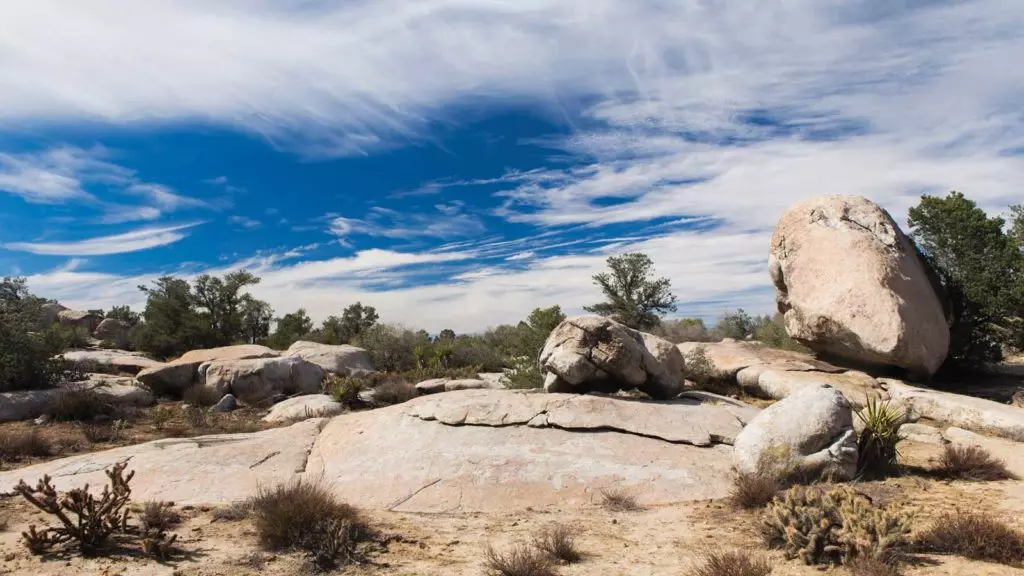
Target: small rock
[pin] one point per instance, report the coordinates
(41, 420)
(226, 404)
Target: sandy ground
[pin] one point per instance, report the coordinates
(664, 540)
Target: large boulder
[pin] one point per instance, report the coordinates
(597, 354)
(79, 319)
(958, 410)
(303, 408)
(175, 377)
(116, 391)
(435, 385)
(112, 330)
(343, 360)
(809, 433)
(112, 360)
(255, 379)
(851, 284)
(51, 311)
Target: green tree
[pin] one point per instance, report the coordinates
(1017, 225)
(982, 270)
(256, 317)
(26, 351)
(171, 326)
(220, 300)
(290, 329)
(737, 325)
(342, 330)
(685, 330)
(124, 314)
(631, 292)
(446, 335)
(545, 319)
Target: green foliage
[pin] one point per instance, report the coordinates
(982, 270)
(631, 293)
(524, 374)
(256, 316)
(124, 314)
(70, 337)
(27, 349)
(1017, 225)
(877, 443)
(699, 367)
(737, 325)
(290, 329)
(832, 526)
(685, 330)
(524, 339)
(172, 326)
(474, 351)
(446, 335)
(392, 347)
(219, 302)
(76, 403)
(354, 319)
(771, 332)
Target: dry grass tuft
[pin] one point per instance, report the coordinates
(559, 543)
(157, 515)
(754, 489)
(393, 390)
(18, 445)
(732, 563)
(306, 516)
(233, 512)
(972, 463)
(870, 566)
(78, 404)
(974, 535)
(521, 560)
(618, 500)
(201, 396)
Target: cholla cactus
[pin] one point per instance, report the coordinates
(831, 526)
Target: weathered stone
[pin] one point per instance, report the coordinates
(179, 375)
(436, 385)
(768, 381)
(115, 360)
(112, 330)
(29, 404)
(255, 379)
(203, 470)
(851, 284)
(304, 407)
(343, 360)
(913, 432)
(51, 311)
(79, 319)
(24, 404)
(810, 432)
(592, 353)
(968, 412)
(226, 404)
(729, 357)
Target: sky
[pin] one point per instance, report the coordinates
(456, 163)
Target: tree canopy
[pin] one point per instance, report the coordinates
(631, 292)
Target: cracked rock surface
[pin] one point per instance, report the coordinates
(596, 354)
(851, 284)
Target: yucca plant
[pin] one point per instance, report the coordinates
(877, 444)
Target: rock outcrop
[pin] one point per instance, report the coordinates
(957, 410)
(51, 311)
(597, 354)
(343, 360)
(475, 450)
(303, 408)
(851, 284)
(113, 360)
(435, 385)
(253, 380)
(174, 377)
(809, 434)
(112, 330)
(79, 319)
(28, 404)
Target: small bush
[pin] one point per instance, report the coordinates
(85, 519)
(524, 374)
(78, 404)
(559, 543)
(832, 526)
(393, 390)
(772, 333)
(974, 535)
(972, 463)
(878, 455)
(699, 367)
(306, 516)
(233, 512)
(18, 445)
(868, 566)
(754, 489)
(196, 417)
(201, 396)
(157, 515)
(618, 500)
(392, 347)
(346, 389)
(521, 560)
(732, 563)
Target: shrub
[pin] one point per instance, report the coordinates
(393, 390)
(685, 330)
(521, 560)
(473, 351)
(868, 566)
(200, 395)
(104, 432)
(732, 563)
(233, 512)
(306, 516)
(618, 500)
(78, 404)
(16, 445)
(158, 515)
(524, 374)
(974, 535)
(85, 519)
(699, 367)
(70, 337)
(559, 543)
(878, 455)
(391, 347)
(972, 463)
(771, 332)
(832, 526)
(346, 389)
(754, 489)
(27, 348)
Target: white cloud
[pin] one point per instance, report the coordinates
(163, 197)
(245, 222)
(387, 223)
(134, 241)
(522, 255)
(45, 178)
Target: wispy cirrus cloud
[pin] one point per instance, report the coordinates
(134, 241)
(245, 222)
(449, 221)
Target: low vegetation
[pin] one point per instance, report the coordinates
(975, 535)
(819, 525)
(754, 489)
(520, 560)
(17, 445)
(76, 403)
(559, 543)
(971, 463)
(305, 516)
(878, 454)
(732, 563)
(869, 566)
(619, 500)
(200, 395)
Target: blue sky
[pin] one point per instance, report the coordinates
(456, 163)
